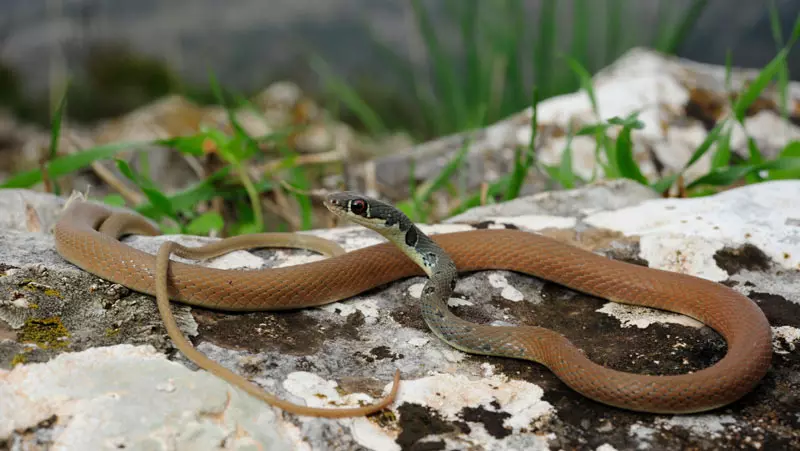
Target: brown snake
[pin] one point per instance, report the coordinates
(88, 234)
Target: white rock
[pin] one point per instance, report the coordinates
(116, 395)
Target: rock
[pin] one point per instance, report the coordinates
(679, 101)
(70, 342)
(131, 397)
(603, 195)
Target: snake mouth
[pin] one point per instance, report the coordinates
(334, 206)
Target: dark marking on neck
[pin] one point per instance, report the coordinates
(412, 236)
(405, 223)
(430, 259)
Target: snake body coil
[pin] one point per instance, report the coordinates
(410, 253)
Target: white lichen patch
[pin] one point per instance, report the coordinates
(448, 394)
(683, 254)
(291, 258)
(319, 392)
(134, 398)
(699, 227)
(497, 280)
(457, 302)
(19, 303)
(707, 426)
(642, 317)
(415, 290)
(642, 433)
(785, 339)
(418, 342)
(366, 305)
(433, 229)
(537, 222)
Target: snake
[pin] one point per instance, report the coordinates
(88, 235)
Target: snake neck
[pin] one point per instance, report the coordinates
(439, 267)
(442, 274)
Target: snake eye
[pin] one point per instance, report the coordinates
(358, 206)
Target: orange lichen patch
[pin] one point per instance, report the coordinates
(707, 106)
(556, 131)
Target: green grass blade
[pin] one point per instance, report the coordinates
(55, 134)
(205, 223)
(243, 146)
(516, 96)
(115, 200)
(522, 166)
(662, 185)
(755, 155)
(783, 73)
(476, 80)
(764, 78)
(447, 82)
(425, 190)
(722, 176)
(792, 150)
(24, 179)
(153, 194)
(585, 80)
(349, 97)
(70, 163)
(188, 198)
(722, 157)
(189, 145)
(544, 53)
(701, 150)
(614, 12)
(581, 26)
(426, 120)
(495, 188)
(566, 176)
(625, 163)
(727, 176)
(686, 24)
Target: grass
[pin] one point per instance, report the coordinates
(462, 91)
(489, 73)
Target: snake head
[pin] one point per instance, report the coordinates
(364, 210)
(348, 203)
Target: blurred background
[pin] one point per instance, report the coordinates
(119, 55)
(234, 100)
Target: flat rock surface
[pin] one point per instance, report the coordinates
(86, 364)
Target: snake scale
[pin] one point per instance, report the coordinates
(87, 235)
